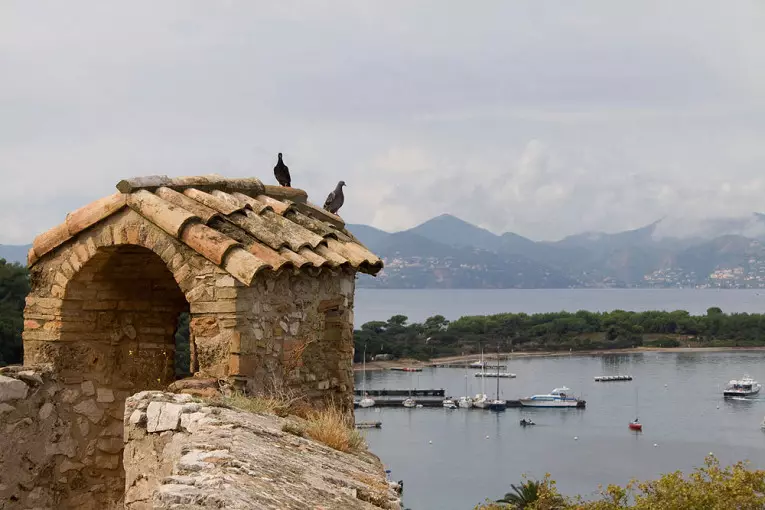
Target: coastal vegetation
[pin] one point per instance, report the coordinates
(14, 286)
(711, 487)
(559, 331)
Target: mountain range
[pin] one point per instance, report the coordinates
(447, 252)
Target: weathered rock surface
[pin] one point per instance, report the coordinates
(210, 457)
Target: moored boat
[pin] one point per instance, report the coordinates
(449, 404)
(410, 402)
(504, 375)
(559, 397)
(465, 402)
(635, 425)
(744, 387)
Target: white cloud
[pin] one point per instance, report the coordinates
(592, 115)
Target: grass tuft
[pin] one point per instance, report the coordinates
(331, 427)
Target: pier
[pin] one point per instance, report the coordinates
(609, 378)
(402, 393)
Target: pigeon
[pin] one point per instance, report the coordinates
(282, 173)
(335, 200)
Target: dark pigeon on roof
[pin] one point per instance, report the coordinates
(282, 173)
(335, 200)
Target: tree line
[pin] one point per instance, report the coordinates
(559, 331)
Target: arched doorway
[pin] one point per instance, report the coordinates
(121, 312)
(119, 316)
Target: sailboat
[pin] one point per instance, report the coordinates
(636, 425)
(365, 401)
(497, 404)
(410, 402)
(481, 401)
(465, 402)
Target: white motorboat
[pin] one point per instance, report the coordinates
(559, 397)
(410, 402)
(449, 404)
(745, 387)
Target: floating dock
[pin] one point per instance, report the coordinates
(462, 364)
(402, 393)
(609, 378)
(406, 369)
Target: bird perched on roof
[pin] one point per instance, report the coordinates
(335, 200)
(282, 172)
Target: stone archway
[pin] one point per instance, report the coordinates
(120, 312)
(118, 317)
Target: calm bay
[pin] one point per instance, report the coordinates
(677, 395)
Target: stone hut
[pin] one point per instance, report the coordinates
(267, 277)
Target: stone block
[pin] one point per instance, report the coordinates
(322, 385)
(105, 395)
(45, 411)
(83, 425)
(107, 461)
(110, 444)
(69, 395)
(227, 306)
(88, 388)
(225, 281)
(67, 465)
(6, 408)
(162, 416)
(12, 389)
(90, 410)
(138, 418)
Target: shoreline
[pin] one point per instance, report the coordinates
(386, 365)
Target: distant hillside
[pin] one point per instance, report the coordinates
(450, 230)
(14, 253)
(449, 252)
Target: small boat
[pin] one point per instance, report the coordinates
(366, 402)
(465, 402)
(504, 375)
(369, 425)
(636, 425)
(762, 425)
(559, 397)
(410, 402)
(497, 404)
(449, 404)
(481, 400)
(526, 422)
(745, 387)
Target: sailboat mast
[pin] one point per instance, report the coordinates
(497, 370)
(483, 374)
(364, 373)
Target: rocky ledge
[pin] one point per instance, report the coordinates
(181, 453)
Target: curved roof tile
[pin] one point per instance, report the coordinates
(240, 225)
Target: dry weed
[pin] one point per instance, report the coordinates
(332, 427)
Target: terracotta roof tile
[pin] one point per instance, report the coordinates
(191, 205)
(240, 225)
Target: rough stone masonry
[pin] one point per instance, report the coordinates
(267, 278)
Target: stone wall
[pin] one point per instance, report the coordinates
(60, 441)
(184, 454)
(296, 330)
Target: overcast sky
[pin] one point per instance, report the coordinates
(541, 118)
